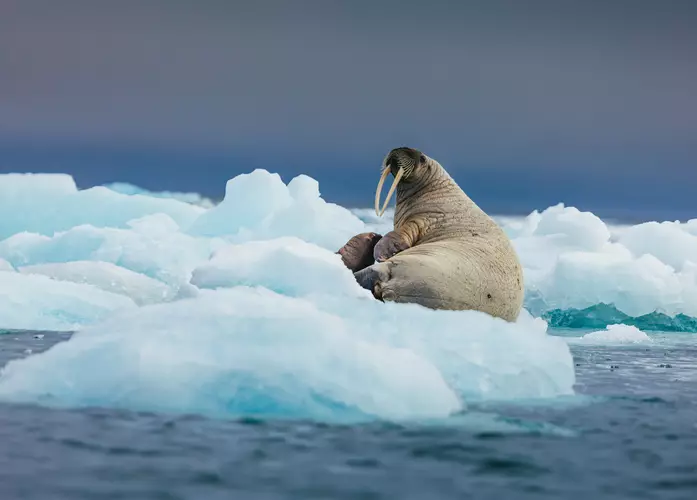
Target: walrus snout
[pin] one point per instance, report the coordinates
(401, 162)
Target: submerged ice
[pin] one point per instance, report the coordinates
(243, 307)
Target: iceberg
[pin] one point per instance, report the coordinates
(252, 351)
(245, 308)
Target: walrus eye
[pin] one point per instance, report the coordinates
(422, 159)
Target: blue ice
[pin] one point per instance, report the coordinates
(243, 307)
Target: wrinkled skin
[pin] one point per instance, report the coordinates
(357, 253)
(390, 244)
(444, 251)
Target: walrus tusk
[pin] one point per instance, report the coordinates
(397, 178)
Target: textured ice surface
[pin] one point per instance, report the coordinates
(108, 277)
(573, 260)
(259, 205)
(33, 302)
(46, 203)
(286, 265)
(245, 307)
(252, 351)
(153, 246)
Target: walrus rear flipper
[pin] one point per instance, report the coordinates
(371, 277)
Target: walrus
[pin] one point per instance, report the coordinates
(444, 252)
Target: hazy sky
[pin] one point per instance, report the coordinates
(526, 103)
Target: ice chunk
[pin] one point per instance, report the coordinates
(669, 242)
(5, 266)
(617, 334)
(690, 227)
(152, 246)
(110, 209)
(260, 206)
(571, 260)
(543, 237)
(29, 302)
(634, 286)
(14, 186)
(249, 200)
(313, 219)
(251, 351)
(108, 277)
(47, 203)
(27, 201)
(573, 228)
(286, 265)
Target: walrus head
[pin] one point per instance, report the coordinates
(404, 164)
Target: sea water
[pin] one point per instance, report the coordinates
(155, 347)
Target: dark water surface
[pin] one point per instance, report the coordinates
(632, 433)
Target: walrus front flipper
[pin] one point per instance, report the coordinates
(389, 246)
(357, 254)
